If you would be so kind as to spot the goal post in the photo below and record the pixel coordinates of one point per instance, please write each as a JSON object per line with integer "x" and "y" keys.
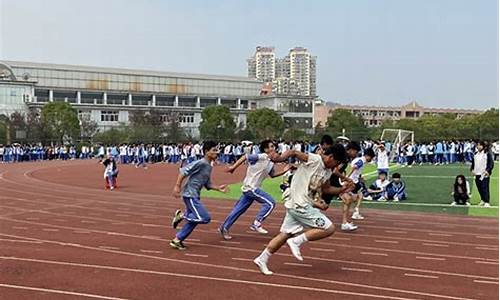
{"x": 397, "y": 137}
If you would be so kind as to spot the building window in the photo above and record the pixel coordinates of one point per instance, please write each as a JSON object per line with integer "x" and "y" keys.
{"x": 109, "y": 116}
{"x": 186, "y": 118}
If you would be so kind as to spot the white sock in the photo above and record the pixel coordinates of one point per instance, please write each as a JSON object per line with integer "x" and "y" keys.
{"x": 356, "y": 210}
{"x": 264, "y": 256}
{"x": 300, "y": 239}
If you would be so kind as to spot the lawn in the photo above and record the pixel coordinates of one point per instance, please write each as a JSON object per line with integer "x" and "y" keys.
{"x": 428, "y": 189}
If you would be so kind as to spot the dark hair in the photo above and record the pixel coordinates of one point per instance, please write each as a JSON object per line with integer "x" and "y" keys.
{"x": 463, "y": 184}
{"x": 396, "y": 175}
{"x": 337, "y": 151}
{"x": 383, "y": 172}
{"x": 264, "y": 145}
{"x": 485, "y": 145}
{"x": 369, "y": 152}
{"x": 207, "y": 145}
{"x": 353, "y": 146}
{"x": 326, "y": 139}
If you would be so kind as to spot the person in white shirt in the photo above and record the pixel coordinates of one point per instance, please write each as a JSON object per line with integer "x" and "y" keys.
{"x": 382, "y": 159}
{"x": 481, "y": 168}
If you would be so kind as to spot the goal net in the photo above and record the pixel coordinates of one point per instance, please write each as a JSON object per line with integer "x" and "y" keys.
{"x": 396, "y": 137}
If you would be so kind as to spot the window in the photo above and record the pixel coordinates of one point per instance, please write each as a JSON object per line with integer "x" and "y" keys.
{"x": 186, "y": 118}
{"x": 109, "y": 116}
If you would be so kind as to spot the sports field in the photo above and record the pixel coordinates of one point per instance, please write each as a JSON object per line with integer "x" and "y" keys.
{"x": 428, "y": 187}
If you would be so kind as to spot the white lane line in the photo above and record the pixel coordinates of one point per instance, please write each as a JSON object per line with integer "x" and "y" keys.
{"x": 122, "y": 215}
{"x": 440, "y": 234}
{"x": 297, "y": 264}
{"x": 396, "y": 231}
{"x": 20, "y": 241}
{"x": 118, "y": 223}
{"x": 430, "y": 258}
{"x": 421, "y": 276}
{"x": 150, "y": 236}
{"x": 435, "y": 245}
{"x": 81, "y": 231}
{"x": 31, "y": 288}
{"x": 196, "y": 255}
{"x": 60, "y": 220}
{"x": 487, "y": 237}
{"x": 151, "y": 225}
{"x": 89, "y": 222}
{"x": 241, "y": 259}
{"x": 340, "y": 238}
{"x": 357, "y": 270}
{"x": 109, "y": 247}
{"x": 50, "y": 229}
{"x": 385, "y": 241}
{"x": 192, "y": 240}
{"x": 32, "y": 218}
{"x": 374, "y": 253}
{"x": 486, "y": 248}
{"x": 229, "y": 242}
{"x": 151, "y": 251}
{"x": 322, "y": 249}
{"x": 483, "y": 281}
{"x": 20, "y": 227}
{"x": 486, "y": 262}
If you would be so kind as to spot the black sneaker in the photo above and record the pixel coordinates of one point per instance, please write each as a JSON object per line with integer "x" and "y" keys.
{"x": 177, "y": 218}
{"x": 177, "y": 245}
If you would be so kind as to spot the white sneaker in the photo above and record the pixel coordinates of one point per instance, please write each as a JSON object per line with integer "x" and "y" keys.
{"x": 258, "y": 229}
{"x": 486, "y": 205}
{"x": 481, "y": 203}
{"x": 357, "y": 216}
{"x": 368, "y": 198}
{"x": 295, "y": 249}
{"x": 453, "y": 203}
{"x": 348, "y": 227}
{"x": 262, "y": 267}
{"x": 382, "y": 199}
{"x": 467, "y": 203}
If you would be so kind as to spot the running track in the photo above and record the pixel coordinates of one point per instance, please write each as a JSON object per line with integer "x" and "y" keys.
{"x": 63, "y": 237}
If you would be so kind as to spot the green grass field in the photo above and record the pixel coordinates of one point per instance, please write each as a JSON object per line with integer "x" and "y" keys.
{"x": 428, "y": 188}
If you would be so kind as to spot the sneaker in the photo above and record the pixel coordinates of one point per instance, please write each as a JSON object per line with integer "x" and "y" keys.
{"x": 382, "y": 199}
{"x": 481, "y": 203}
{"x": 258, "y": 229}
{"x": 177, "y": 218}
{"x": 295, "y": 249}
{"x": 224, "y": 233}
{"x": 262, "y": 267}
{"x": 348, "y": 227}
{"x": 357, "y": 216}
{"x": 453, "y": 203}
{"x": 486, "y": 204}
{"x": 176, "y": 244}
{"x": 369, "y": 198}
{"x": 467, "y": 203}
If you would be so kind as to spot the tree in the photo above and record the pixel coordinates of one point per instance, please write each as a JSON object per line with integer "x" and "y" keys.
{"x": 265, "y": 123}
{"x": 175, "y": 133}
{"x": 113, "y": 136}
{"x": 294, "y": 134}
{"x": 341, "y": 119}
{"x": 88, "y": 128}
{"x": 146, "y": 127}
{"x": 217, "y": 123}
{"x": 60, "y": 121}
{"x": 5, "y": 128}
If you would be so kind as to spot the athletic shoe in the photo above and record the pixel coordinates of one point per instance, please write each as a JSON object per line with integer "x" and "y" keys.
{"x": 368, "y": 198}
{"x": 481, "y": 203}
{"x": 382, "y": 199}
{"x": 177, "y": 245}
{"x": 224, "y": 233}
{"x": 486, "y": 204}
{"x": 177, "y": 218}
{"x": 258, "y": 229}
{"x": 262, "y": 266}
{"x": 453, "y": 203}
{"x": 348, "y": 227}
{"x": 357, "y": 216}
{"x": 295, "y": 249}
{"x": 467, "y": 203}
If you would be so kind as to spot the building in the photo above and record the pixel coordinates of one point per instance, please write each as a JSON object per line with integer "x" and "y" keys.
{"x": 295, "y": 74}
{"x": 108, "y": 95}
{"x": 373, "y": 116}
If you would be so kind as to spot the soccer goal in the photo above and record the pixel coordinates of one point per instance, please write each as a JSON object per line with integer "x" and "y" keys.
{"x": 397, "y": 137}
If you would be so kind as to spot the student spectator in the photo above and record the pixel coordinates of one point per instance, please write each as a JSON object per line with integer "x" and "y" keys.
{"x": 396, "y": 189}
{"x": 382, "y": 157}
{"x": 461, "y": 191}
{"x": 481, "y": 168}
{"x": 377, "y": 189}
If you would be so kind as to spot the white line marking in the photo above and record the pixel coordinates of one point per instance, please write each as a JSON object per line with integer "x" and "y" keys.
{"x": 321, "y": 249}
{"x": 385, "y": 241}
{"x": 430, "y": 258}
{"x": 486, "y": 262}
{"x": 32, "y": 219}
{"x": 20, "y": 241}
{"x": 297, "y": 264}
{"x": 242, "y": 259}
{"x": 422, "y": 276}
{"x": 435, "y": 245}
{"x": 60, "y": 220}
{"x": 23, "y": 287}
{"x": 109, "y": 247}
{"x": 396, "y": 231}
{"x": 487, "y": 237}
{"x": 151, "y": 225}
{"x": 118, "y": 223}
{"x": 20, "y": 227}
{"x": 81, "y": 231}
{"x": 196, "y": 255}
{"x": 483, "y": 281}
{"x": 485, "y": 248}
{"x": 374, "y": 253}
{"x": 229, "y": 242}
{"x": 340, "y": 238}
{"x": 193, "y": 240}
{"x": 89, "y": 222}
{"x": 50, "y": 229}
{"x": 440, "y": 234}
{"x": 357, "y": 270}
{"x": 151, "y": 251}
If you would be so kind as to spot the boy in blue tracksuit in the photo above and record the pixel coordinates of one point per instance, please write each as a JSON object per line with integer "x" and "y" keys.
{"x": 260, "y": 166}
{"x": 198, "y": 174}
{"x": 396, "y": 190}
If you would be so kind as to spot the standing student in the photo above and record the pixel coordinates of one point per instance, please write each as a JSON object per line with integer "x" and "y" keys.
{"x": 303, "y": 203}
{"x": 382, "y": 158}
{"x": 110, "y": 172}
{"x": 481, "y": 168}
{"x": 259, "y": 167}
{"x": 198, "y": 176}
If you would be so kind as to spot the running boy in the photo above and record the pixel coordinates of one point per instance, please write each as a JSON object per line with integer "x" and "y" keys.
{"x": 198, "y": 173}
{"x": 303, "y": 203}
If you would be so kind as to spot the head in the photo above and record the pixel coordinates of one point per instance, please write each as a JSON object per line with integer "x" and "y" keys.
{"x": 369, "y": 154}
{"x": 396, "y": 177}
{"x": 266, "y": 146}
{"x": 326, "y": 141}
{"x": 382, "y": 176}
{"x": 482, "y": 146}
{"x": 460, "y": 180}
{"x": 352, "y": 149}
{"x": 334, "y": 156}
{"x": 210, "y": 150}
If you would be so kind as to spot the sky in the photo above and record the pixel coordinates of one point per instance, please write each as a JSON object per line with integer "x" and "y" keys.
{"x": 440, "y": 53}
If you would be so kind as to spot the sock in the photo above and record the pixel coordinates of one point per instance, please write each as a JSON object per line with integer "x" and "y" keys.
{"x": 264, "y": 256}
{"x": 356, "y": 210}
{"x": 300, "y": 239}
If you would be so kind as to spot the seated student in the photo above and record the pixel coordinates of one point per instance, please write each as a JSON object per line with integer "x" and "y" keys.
{"x": 377, "y": 189}
{"x": 396, "y": 189}
{"x": 461, "y": 191}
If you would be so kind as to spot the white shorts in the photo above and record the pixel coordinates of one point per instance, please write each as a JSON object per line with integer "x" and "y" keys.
{"x": 296, "y": 220}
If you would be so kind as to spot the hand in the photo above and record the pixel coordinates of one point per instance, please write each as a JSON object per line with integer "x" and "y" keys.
{"x": 223, "y": 188}
{"x": 288, "y": 168}
{"x": 320, "y": 204}
{"x": 177, "y": 191}
{"x": 229, "y": 170}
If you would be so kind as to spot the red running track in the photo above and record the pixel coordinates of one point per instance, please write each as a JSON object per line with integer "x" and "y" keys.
{"x": 62, "y": 236}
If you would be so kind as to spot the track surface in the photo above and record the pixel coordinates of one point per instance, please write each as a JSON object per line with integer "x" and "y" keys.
{"x": 62, "y": 236}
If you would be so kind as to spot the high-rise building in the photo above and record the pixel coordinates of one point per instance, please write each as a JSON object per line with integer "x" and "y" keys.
{"x": 263, "y": 64}
{"x": 300, "y": 69}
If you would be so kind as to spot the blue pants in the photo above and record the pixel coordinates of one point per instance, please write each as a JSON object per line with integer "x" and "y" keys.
{"x": 195, "y": 214}
{"x": 266, "y": 201}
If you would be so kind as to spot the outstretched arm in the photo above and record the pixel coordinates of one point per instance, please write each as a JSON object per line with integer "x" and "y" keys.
{"x": 290, "y": 153}
{"x": 238, "y": 163}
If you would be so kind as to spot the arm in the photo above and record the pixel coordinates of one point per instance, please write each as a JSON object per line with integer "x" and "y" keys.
{"x": 238, "y": 163}
{"x": 287, "y": 168}
{"x": 333, "y": 190}
{"x": 290, "y": 153}
{"x": 178, "y": 184}
{"x": 489, "y": 163}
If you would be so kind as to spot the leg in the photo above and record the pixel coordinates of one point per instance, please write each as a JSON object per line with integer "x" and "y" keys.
{"x": 195, "y": 214}
{"x": 239, "y": 208}
{"x": 267, "y": 206}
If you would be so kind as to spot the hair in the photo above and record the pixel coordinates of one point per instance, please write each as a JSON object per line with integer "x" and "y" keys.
{"x": 337, "y": 151}
{"x": 383, "y": 173}
{"x": 369, "y": 152}
{"x": 396, "y": 175}
{"x": 463, "y": 184}
{"x": 207, "y": 145}
{"x": 353, "y": 146}
{"x": 264, "y": 145}
{"x": 326, "y": 140}
{"x": 485, "y": 145}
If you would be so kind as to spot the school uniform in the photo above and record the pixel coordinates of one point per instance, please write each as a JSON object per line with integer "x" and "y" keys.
{"x": 483, "y": 162}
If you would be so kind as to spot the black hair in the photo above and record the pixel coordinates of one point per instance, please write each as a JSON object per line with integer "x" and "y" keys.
{"x": 207, "y": 145}
{"x": 485, "y": 145}
{"x": 264, "y": 145}
{"x": 396, "y": 175}
{"x": 383, "y": 172}
{"x": 463, "y": 185}
{"x": 369, "y": 152}
{"x": 326, "y": 140}
{"x": 353, "y": 146}
{"x": 337, "y": 151}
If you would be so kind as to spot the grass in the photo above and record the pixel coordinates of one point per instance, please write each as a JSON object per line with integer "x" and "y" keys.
{"x": 428, "y": 187}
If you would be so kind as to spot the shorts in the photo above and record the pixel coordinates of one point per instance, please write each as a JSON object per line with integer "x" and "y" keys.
{"x": 358, "y": 187}
{"x": 297, "y": 219}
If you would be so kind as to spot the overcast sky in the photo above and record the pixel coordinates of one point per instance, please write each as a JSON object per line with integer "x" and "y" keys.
{"x": 441, "y": 53}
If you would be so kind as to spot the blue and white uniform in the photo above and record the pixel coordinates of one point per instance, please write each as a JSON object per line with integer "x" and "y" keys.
{"x": 357, "y": 164}
{"x": 259, "y": 167}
